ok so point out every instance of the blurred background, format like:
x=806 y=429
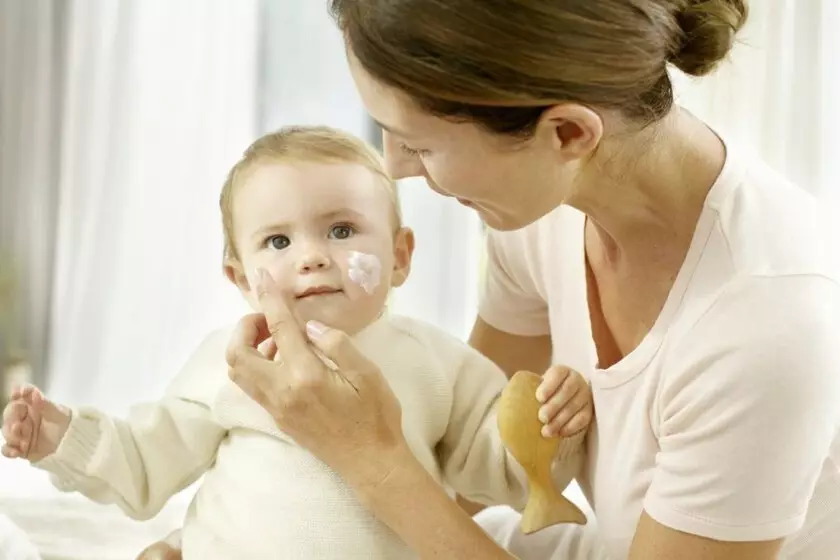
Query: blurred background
x=120 y=118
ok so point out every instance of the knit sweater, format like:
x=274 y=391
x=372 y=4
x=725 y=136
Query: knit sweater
x=263 y=496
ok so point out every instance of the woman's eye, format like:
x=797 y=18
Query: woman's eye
x=412 y=152
x=341 y=232
x=277 y=242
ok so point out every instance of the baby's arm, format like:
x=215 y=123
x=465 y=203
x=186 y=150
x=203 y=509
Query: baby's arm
x=473 y=457
x=141 y=461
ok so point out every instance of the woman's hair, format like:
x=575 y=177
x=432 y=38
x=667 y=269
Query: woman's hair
x=501 y=63
x=319 y=144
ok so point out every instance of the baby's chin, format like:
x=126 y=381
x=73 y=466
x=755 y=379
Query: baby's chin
x=338 y=312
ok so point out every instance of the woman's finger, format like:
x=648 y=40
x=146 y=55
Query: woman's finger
x=254 y=374
x=339 y=348
x=552 y=380
x=250 y=332
x=282 y=324
x=268 y=348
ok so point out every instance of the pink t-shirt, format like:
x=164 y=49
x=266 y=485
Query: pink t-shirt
x=723 y=422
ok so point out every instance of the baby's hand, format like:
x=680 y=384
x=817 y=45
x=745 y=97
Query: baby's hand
x=566 y=402
x=32 y=425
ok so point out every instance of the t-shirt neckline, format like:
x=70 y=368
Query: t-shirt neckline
x=638 y=359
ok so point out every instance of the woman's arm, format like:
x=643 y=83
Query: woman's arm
x=415 y=507
x=654 y=540
x=511 y=352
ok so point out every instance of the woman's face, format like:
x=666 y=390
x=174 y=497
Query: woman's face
x=510 y=183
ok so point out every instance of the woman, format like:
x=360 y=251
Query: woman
x=689 y=283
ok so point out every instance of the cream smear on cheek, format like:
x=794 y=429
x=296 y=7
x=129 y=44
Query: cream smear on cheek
x=365 y=270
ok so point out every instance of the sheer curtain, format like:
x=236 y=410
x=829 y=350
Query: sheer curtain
x=159 y=101
x=778 y=94
x=31 y=36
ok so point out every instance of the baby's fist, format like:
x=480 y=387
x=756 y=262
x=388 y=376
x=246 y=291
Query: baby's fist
x=566 y=402
x=32 y=425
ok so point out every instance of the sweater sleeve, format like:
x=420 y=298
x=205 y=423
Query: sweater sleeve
x=159 y=449
x=510 y=300
x=473 y=456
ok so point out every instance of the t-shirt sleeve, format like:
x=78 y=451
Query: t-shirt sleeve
x=747 y=422
x=509 y=300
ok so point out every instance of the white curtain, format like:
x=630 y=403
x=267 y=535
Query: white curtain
x=778 y=94
x=159 y=101
x=444 y=283
x=30 y=82
x=304 y=78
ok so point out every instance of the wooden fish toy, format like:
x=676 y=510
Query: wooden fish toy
x=520 y=429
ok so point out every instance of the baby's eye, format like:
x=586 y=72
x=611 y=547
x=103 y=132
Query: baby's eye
x=341 y=231
x=277 y=242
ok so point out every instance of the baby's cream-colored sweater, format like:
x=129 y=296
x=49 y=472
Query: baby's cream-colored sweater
x=263 y=496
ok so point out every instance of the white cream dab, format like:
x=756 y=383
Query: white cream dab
x=364 y=270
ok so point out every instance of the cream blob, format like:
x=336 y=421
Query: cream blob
x=364 y=270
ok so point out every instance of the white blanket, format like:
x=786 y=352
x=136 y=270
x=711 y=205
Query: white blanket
x=64 y=526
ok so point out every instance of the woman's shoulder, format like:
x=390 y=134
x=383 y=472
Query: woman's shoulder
x=772 y=337
x=772 y=226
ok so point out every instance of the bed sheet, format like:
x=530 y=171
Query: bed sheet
x=67 y=526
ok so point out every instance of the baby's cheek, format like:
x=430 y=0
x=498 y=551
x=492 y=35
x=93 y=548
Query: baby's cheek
x=364 y=270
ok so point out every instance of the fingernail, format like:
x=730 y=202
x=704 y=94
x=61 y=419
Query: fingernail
x=314 y=329
x=540 y=394
x=546 y=432
x=543 y=416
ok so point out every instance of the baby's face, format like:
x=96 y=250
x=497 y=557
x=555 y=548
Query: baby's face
x=326 y=234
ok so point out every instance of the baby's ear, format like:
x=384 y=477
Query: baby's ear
x=234 y=272
x=403 y=250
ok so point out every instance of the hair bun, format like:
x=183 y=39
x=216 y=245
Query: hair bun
x=708 y=29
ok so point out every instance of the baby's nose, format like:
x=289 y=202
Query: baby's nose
x=313 y=261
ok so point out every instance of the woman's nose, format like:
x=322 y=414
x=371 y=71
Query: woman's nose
x=399 y=164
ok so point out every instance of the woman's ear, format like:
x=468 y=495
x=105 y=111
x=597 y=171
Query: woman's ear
x=403 y=251
x=573 y=130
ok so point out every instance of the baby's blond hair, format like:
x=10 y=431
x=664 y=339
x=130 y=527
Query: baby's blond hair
x=301 y=143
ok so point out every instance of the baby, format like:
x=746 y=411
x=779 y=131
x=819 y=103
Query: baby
x=315 y=208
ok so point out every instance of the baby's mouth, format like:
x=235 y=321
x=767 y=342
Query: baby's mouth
x=318 y=291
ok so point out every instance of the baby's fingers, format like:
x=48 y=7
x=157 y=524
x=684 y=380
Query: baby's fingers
x=552 y=380
x=10 y=452
x=580 y=421
x=15 y=411
x=14 y=414
x=560 y=414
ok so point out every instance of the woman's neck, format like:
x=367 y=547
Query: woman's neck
x=646 y=192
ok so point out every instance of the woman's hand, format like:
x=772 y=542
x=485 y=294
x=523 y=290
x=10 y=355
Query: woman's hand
x=347 y=416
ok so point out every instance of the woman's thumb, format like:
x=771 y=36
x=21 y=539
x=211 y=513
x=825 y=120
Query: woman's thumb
x=338 y=348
